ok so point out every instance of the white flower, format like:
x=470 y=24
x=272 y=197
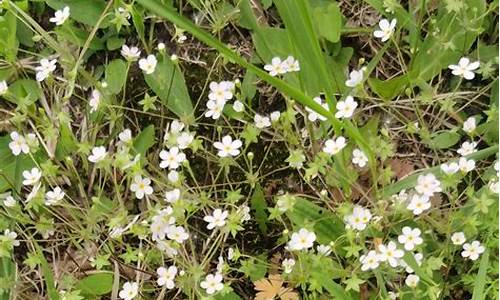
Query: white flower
x=171 y=159
x=400 y=198
x=369 y=261
x=34 y=192
x=359 y=158
x=244 y=212
x=386 y=29
x=94 y=101
x=496 y=166
x=148 y=64
x=450 y=168
x=303 y=239
x=8 y=200
x=181 y=39
x=3 y=87
x=173 y=176
x=410 y=238
x=129 y=290
x=45 y=68
x=261 y=121
x=390 y=253
x=54 y=196
x=238 y=106
x=288 y=265
x=166 y=276
x=359 y=218
x=466 y=165
x=464 y=68
x=230 y=253
x=125 y=136
x=185 y=139
x=412 y=280
x=345 y=109
x=276 y=67
x=469 y=125
x=467 y=148
x=334 y=146
x=458 y=238
x=419 y=203
x=275 y=116
x=228 y=147
x=160 y=46
x=214 y=109
x=472 y=250
x=60 y=16
x=290 y=64
x=355 y=77
x=313 y=116
x=18 y=144
x=212 y=283
x=418 y=258
x=217 y=219
x=12 y=236
x=130 y=53
x=177 y=233
x=98 y=154
x=324 y=250
x=393 y=295
x=31 y=177
x=173 y=195
x=221 y=92
x=141 y=186
x=427 y=185
x=494 y=186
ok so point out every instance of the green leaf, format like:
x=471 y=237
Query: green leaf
x=409 y=258
x=96 y=284
x=328 y=20
x=25 y=91
x=46 y=273
x=168 y=83
x=228 y=296
x=145 y=140
x=388 y=89
x=67 y=143
x=87 y=12
x=116 y=76
x=8 y=39
x=258 y=203
x=480 y=282
x=7 y=277
x=79 y=36
x=334 y=289
x=444 y=139
x=11 y=166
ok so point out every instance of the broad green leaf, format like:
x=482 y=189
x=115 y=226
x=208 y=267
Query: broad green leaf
x=87 y=12
x=145 y=140
x=67 y=143
x=270 y=42
x=25 y=91
x=168 y=83
x=116 y=75
x=388 y=89
x=79 y=37
x=96 y=284
x=8 y=40
x=228 y=296
x=258 y=203
x=328 y=21
x=444 y=139
x=11 y=166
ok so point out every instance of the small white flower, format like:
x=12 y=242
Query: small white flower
x=8 y=200
x=173 y=176
x=130 y=53
x=34 y=192
x=160 y=46
x=494 y=186
x=173 y=195
x=334 y=146
x=472 y=250
x=141 y=186
x=94 y=100
x=369 y=261
x=313 y=116
x=244 y=212
x=215 y=109
x=177 y=233
x=324 y=250
x=60 y=16
x=450 y=168
x=458 y=238
x=465 y=68
x=419 y=203
x=238 y=106
x=125 y=136
x=275 y=116
x=98 y=154
x=345 y=109
x=390 y=253
x=54 y=196
x=393 y=295
x=467 y=148
x=18 y=144
x=172 y=158
x=359 y=158
x=148 y=64
x=359 y=218
x=290 y=64
x=166 y=276
x=412 y=280
x=386 y=29
x=181 y=39
x=31 y=177
x=129 y=291
x=230 y=253
x=221 y=92
x=410 y=238
x=427 y=185
x=303 y=239
x=276 y=67
x=355 y=77
x=466 y=165
x=3 y=87
x=469 y=125
x=288 y=265
x=45 y=68
x=212 y=283
x=217 y=219
x=12 y=236
x=261 y=121
x=228 y=147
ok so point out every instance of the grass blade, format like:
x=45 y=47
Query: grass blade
x=480 y=281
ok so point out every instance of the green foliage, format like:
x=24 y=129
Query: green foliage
x=96 y=284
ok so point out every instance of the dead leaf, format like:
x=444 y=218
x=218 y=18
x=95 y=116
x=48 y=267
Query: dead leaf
x=401 y=168
x=271 y=287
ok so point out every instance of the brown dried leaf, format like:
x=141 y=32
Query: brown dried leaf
x=268 y=287
x=401 y=167
x=288 y=294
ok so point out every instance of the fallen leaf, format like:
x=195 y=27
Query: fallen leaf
x=271 y=287
x=401 y=168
